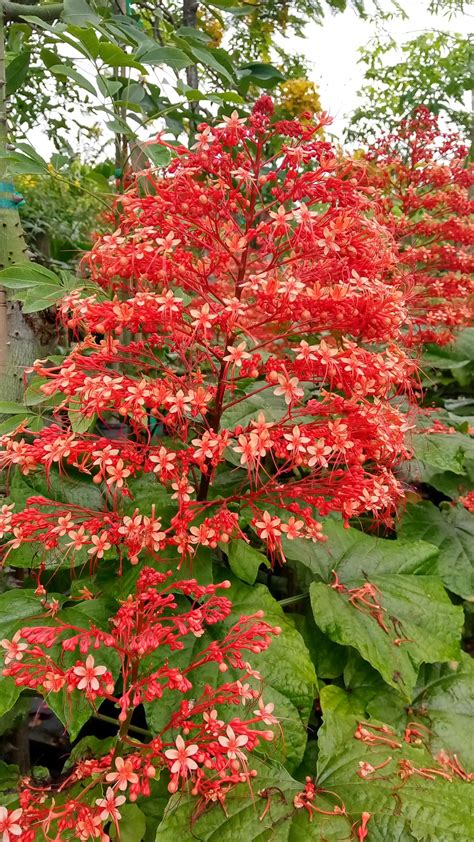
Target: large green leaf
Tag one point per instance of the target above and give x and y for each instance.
(172, 56)
(443, 703)
(451, 529)
(78, 12)
(415, 809)
(440, 450)
(148, 491)
(72, 73)
(76, 489)
(415, 607)
(245, 817)
(16, 606)
(245, 560)
(247, 409)
(17, 71)
(289, 679)
(73, 709)
(132, 824)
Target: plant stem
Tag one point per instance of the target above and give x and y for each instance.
(112, 721)
(290, 599)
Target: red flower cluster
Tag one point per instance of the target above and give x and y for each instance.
(424, 181)
(199, 749)
(243, 311)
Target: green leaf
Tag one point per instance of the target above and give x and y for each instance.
(80, 423)
(159, 155)
(288, 675)
(132, 825)
(416, 610)
(177, 59)
(208, 58)
(247, 409)
(146, 492)
(245, 561)
(73, 709)
(87, 37)
(89, 748)
(113, 56)
(33, 394)
(22, 164)
(439, 450)
(414, 605)
(191, 34)
(9, 693)
(9, 777)
(40, 298)
(75, 489)
(15, 607)
(258, 73)
(12, 422)
(245, 816)
(328, 658)
(11, 408)
(79, 12)
(108, 87)
(443, 702)
(24, 275)
(72, 73)
(348, 551)
(451, 529)
(414, 809)
(16, 72)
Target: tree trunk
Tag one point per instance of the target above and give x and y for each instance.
(190, 8)
(20, 340)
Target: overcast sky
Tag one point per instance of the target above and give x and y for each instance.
(332, 49)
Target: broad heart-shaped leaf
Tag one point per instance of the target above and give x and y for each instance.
(22, 608)
(451, 529)
(245, 818)
(423, 625)
(16, 606)
(414, 809)
(248, 407)
(148, 492)
(245, 561)
(132, 824)
(441, 451)
(443, 702)
(73, 709)
(67, 488)
(289, 679)
(350, 552)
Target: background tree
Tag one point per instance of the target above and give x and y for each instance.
(435, 69)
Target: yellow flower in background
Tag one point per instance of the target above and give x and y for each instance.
(212, 27)
(298, 95)
(24, 182)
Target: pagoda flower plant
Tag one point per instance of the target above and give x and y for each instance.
(230, 384)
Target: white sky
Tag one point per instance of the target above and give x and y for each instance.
(332, 50)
